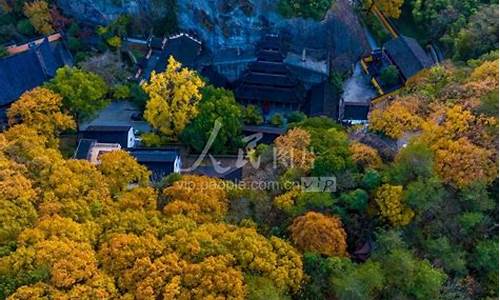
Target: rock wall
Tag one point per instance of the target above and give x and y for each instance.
(231, 24)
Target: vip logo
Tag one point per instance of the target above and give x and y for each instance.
(318, 184)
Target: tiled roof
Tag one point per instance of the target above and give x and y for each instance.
(182, 47)
(26, 70)
(153, 155)
(356, 111)
(408, 55)
(83, 149)
(109, 128)
(323, 100)
(108, 134)
(269, 79)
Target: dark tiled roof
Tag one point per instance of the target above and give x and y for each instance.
(108, 134)
(147, 155)
(269, 134)
(270, 42)
(408, 55)
(277, 80)
(29, 69)
(156, 43)
(83, 149)
(159, 162)
(268, 67)
(268, 93)
(270, 55)
(182, 47)
(233, 174)
(269, 79)
(109, 128)
(356, 111)
(263, 129)
(323, 100)
(214, 77)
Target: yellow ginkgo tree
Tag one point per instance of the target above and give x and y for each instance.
(173, 98)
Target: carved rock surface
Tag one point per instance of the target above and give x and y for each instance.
(239, 24)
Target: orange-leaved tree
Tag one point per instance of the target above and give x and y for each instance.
(395, 120)
(319, 233)
(121, 170)
(365, 156)
(200, 198)
(461, 163)
(39, 14)
(40, 109)
(292, 149)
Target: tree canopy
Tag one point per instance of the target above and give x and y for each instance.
(84, 93)
(173, 98)
(216, 105)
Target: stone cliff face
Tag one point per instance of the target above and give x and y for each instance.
(239, 24)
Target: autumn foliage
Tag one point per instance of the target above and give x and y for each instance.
(319, 233)
(39, 14)
(292, 149)
(391, 8)
(40, 109)
(121, 170)
(395, 120)
(200, 198)
(389, 199)
(84, 231)
(365, 156)
(173, 96)
(461, 163)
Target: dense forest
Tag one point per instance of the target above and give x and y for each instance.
(72, 229)
(418, 221)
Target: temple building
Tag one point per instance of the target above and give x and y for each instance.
(268, 82)
(29, 65)
(402, 52)
(183, 47)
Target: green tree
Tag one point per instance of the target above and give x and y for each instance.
(371, 180)
(24, 27)
(479, 36)
(260, 288)
(390, 75)
(489, 104)
(252, 115)
(424, 195)
(277, 120)
(83, 93)
(217, 104)
(421, 280)
(319, 269)
(296, 116)
(485, 256)
(484, 259)
(448, 256)
(356, 200)
(363, 281)
(315, 9)
(3, 52)
(412, 162)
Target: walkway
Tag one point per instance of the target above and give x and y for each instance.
(385, 22)
(358, 88)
